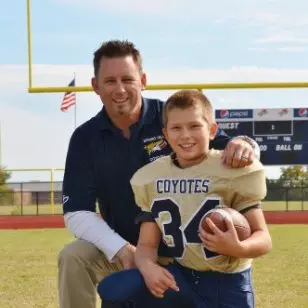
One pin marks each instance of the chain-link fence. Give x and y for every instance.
(45, 198)
(31, 198)
(286, 199)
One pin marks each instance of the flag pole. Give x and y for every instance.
(75, 110)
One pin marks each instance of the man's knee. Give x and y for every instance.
(78, 250)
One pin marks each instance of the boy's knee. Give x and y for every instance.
(121, 286)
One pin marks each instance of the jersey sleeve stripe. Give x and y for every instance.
(144, 217)
(256, 206)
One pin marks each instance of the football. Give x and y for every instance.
(218, 216)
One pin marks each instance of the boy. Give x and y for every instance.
(210, 269)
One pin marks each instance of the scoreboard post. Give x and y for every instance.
(282, 133)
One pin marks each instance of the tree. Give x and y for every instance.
(5, 192)
(294, 176)
(4, 176)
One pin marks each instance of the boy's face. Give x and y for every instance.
(189, 134)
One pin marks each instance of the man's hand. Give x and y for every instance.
(238, 153)
(157, 279)
(126, 255)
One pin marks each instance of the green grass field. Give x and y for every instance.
(47, 209)
(29, 275)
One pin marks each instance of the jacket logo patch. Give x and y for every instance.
(154, 144)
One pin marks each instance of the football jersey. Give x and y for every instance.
(178, 198)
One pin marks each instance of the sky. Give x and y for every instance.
(195, 41)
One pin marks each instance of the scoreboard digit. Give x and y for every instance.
(273, 128)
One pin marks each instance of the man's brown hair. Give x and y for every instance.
(188, 98)
(116, 48)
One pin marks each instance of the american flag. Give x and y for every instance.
(69, 98)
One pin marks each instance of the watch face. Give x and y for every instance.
(251, 142)
(248, 140)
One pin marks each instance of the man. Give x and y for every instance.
(103, 155)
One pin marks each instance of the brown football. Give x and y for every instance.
(218, 216)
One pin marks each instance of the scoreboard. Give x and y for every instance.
(282, 133)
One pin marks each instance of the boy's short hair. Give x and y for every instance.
(116, 48)
(188, 98)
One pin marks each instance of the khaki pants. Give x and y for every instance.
(80, 267)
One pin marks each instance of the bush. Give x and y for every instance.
(6, 196)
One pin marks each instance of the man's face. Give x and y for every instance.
(119, 84)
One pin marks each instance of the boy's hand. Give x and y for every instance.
(224, 243)
(158, 279)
